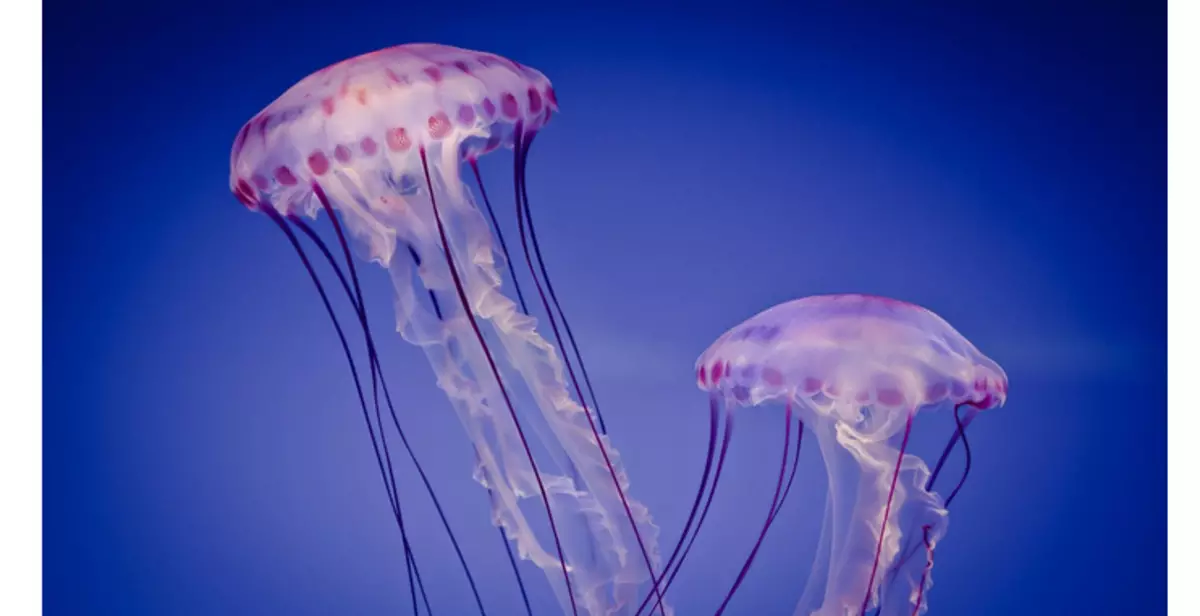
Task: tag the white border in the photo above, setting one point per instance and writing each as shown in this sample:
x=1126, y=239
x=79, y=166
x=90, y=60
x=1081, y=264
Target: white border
x=1183, y=260
x=21, y=310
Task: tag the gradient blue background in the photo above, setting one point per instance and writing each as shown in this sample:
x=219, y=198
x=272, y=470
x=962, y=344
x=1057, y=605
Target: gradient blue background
x=1004, y=167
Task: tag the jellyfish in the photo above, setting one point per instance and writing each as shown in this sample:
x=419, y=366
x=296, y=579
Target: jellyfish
x=854, y=371
x=379, y=143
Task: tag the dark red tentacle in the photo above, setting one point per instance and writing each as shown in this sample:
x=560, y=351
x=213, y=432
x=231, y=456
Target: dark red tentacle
x=466, y=306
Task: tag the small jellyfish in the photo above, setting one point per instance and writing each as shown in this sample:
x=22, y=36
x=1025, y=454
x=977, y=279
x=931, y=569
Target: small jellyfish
x=377, y=143
x=854, y=370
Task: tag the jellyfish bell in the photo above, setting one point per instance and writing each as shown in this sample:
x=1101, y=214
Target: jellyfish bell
x=855, y=370
x=360, y=129
x=378, y=143
x=868, y=356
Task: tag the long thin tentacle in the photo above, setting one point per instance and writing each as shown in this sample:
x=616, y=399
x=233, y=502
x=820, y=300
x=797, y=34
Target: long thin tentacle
x=523, y=211
x=375, y=373
x=703, y=511
x=466, y=306
x=960, y=432
x=513, y=561
x=519, y=179
x=388, y=480
x=775, y=503
x=795, y=465
x=499, y=235
x=887, y=510
x=713, y=425
x=377, y=368
x=433, y=300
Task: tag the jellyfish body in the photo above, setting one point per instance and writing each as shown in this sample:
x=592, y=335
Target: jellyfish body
x=856, y=369
x=378, y=142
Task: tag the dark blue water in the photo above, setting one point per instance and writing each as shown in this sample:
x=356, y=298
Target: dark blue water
x=1003, y=167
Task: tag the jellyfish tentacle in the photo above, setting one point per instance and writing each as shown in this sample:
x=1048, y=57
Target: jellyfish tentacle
x=375, y=375
x=713, y=424
x=523, y=208
x=887, y=510
x=389, y=480
x=523, y=141
x=924, y=574
x=512, y=561
x=378, y=370
x=960, y=432
x=958, y=423
x=711, y=493
x=433, y=300
x=499, y=235
x=420, y=587
x=466, y=305
x=795, y=465
x=775, y=502
x=503, y=538
x=703, y=512
x=813, y=588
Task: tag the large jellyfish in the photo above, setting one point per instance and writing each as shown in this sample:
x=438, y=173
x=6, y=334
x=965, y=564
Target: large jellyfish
x=378, y=143
x=855, y=370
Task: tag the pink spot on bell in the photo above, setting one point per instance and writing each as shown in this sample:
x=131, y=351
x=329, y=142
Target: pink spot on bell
x=812, y=385
x=284, y=176
x=701, y=376
x=342, y=153
x=393, y=76
x=241, y=137
x=772, y=377
x=260, y=181
x=244, y=193
x=890, y=397
x=466, y=115
x=535, y=101
x=489, y=108
x=508, y=105
x=327, y=106
x=318, y=163
x=862, y=396
x=716, y=372
x=369, y=147
x=551, y=97
x=264, y=124
x=439, y=125
x=398, y=140
x=361, y=95
x=936, y=391
x=434, y=73
x=462, y=66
